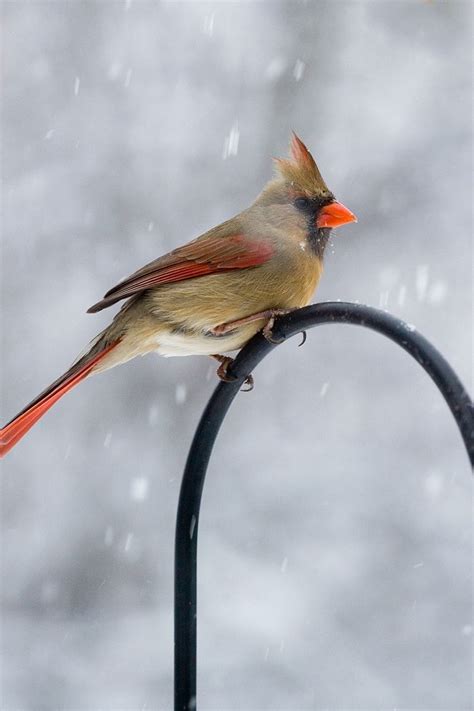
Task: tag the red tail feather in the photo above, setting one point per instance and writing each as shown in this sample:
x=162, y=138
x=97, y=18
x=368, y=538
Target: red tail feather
x=20, y=425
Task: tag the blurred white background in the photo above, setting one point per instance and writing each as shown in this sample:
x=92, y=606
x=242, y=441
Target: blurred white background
x=335, y=545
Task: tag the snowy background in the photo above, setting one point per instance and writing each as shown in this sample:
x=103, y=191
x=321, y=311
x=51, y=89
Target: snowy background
x=335, y=544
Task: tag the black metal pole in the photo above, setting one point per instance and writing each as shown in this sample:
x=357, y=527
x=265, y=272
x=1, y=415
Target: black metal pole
x=185, y=612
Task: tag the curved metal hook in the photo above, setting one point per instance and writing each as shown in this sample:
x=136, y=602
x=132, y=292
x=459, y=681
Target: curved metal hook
x=286, y=326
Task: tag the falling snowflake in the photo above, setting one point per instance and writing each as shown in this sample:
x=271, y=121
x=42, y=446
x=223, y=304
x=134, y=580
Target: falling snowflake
x=231, y=143
x=298, y=69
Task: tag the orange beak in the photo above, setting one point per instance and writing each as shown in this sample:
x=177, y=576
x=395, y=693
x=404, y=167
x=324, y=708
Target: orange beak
x=334, y=215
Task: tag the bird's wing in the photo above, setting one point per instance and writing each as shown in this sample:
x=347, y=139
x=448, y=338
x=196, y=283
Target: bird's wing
x=206, y=255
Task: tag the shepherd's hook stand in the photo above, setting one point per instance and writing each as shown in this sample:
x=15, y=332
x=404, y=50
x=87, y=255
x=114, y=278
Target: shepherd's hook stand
x=403, y=334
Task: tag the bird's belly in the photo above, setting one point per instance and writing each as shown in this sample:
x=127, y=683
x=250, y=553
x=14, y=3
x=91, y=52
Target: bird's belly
x=179, y=343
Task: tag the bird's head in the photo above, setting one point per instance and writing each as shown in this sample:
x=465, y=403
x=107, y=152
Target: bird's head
x=298, y=197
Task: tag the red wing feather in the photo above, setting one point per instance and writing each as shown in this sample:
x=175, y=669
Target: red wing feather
x=208, y=255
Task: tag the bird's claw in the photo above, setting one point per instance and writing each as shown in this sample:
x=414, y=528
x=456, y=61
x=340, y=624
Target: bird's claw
x=226, y=377
x=222, y=371
x=249, y=381
x=303, y=340
x=267, y=332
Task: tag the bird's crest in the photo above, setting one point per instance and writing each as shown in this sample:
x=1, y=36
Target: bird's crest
x=300, y=170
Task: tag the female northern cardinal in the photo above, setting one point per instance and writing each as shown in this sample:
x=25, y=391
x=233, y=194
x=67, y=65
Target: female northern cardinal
x=213, y=294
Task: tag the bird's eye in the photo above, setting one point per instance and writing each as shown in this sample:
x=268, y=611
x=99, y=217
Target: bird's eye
x=302, y=203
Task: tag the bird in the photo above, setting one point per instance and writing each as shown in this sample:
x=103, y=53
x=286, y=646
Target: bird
x=211, y=295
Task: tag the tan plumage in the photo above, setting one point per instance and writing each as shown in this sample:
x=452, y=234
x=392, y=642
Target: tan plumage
x=268, y=257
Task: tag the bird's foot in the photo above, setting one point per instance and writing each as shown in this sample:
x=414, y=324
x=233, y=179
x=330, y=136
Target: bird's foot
x=225, y=362
x=222, y=372
x=268, y=329
x=269, y=315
